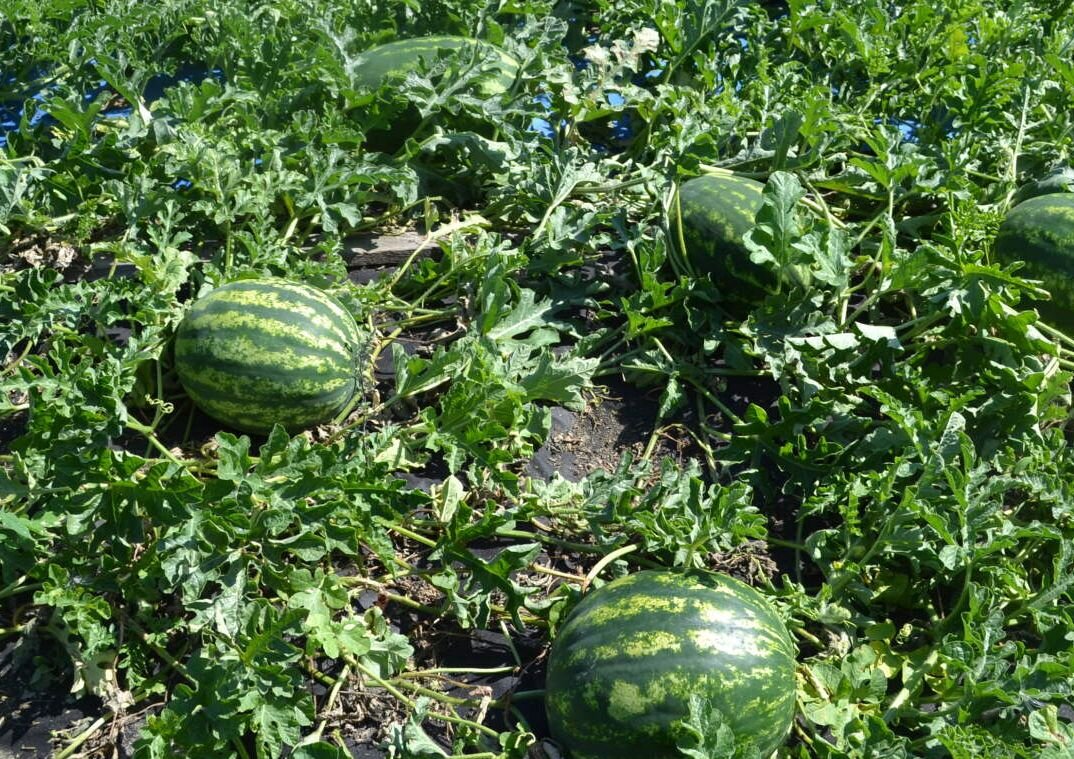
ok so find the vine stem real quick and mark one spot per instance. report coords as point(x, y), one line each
point(88, 733)
point(1011, 175)
point(18, 586)
point(785, 543)
point(605, 561)
point(915, 678)
point(433, 671)
point(333, 694)
point(17, 360)
point(510, 643)
point(444, 230)
point(398, 528)
point(402, 680)
point(382, 589)
point(588, 189)
point(804, 633)
point(403, 698)
point(150, 434)
point(551, 571)
point(81, 738)
point(1062, 337)
point(571, 546)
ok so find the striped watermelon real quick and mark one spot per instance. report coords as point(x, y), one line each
point(382, 66)
point(258, 352)
point(628, 658)
point(394, 60)
point(713, 214)
point(1040, 233)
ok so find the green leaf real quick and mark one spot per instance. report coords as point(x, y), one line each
point(409, 740)
point(705, 734)
point(771, 242)
point(525, 316)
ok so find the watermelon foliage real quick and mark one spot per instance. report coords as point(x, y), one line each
point(256, 353)
point(626, 663)
point(1039, 233)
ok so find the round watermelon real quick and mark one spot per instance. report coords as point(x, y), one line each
point(386, 65)
point(625, 663)
point(1040, 233)
point(713, 214)
point(392, 61)
point(260, 352)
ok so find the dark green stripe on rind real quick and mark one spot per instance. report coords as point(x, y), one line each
point(304, 309)
point(1040, 233)
point(624, 665)
point(255, 353)
point(268, 331)
point(717, 212)
point(254, 415)
point(275, 352)
point(279, 387)
point(396, 59)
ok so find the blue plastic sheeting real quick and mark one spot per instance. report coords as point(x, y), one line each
point(12, 110)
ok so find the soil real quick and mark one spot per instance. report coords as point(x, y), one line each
point(619, 421)
point(30, 715)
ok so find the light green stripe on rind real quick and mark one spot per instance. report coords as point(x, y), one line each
point(257, 406)
point(304, 294)
point(716, 214)
point(300, 311)
point(255, 353)
point(279, 387)
point(624, 665)
point(261, 418)
point(259, 352)
point(255, 348)
point(278, 390)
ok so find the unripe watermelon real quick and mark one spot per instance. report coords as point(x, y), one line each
point(716, 213)
point(258, 352)
point(392, 61)
point(625, 663)
point(1040, 233)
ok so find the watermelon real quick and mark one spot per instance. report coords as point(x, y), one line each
point(385, 65)
point(1040, 233)
point(260, 352)
point(713, 214)
point(394, 60)
point(626, 661)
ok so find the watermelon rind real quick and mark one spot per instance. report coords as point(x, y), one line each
point(1039, 232)
point(713, 213)
point(624, 665)
point(260, 352)
point(394, 60)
